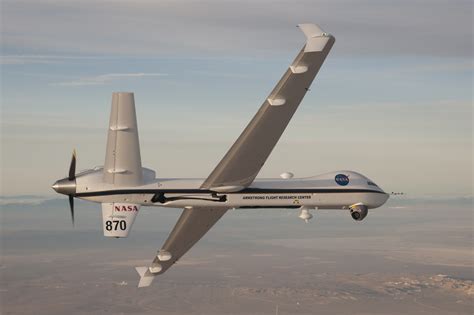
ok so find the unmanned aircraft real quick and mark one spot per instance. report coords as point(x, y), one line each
point(122, 185)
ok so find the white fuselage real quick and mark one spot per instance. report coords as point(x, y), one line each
point(322, 192)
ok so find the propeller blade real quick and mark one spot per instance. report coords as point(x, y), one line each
point(72, 167)
point(71, 206)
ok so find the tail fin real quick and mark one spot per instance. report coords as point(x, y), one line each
point(123, 166)
point(118, 218)
point(146, 277)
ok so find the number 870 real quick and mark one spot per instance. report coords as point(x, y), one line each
point(115, 225)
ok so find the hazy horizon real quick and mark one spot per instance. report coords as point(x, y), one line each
point(411, 257)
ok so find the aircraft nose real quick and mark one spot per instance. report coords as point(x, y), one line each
point(384, 198)
point(65, 186)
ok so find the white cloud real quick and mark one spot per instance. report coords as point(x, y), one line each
point(23, 60)
point(235, 27)
point(442, 67)
point(44, 59)
point(107, 78)
point(23, 200)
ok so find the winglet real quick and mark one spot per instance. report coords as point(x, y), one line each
point(311, 30)
point(146, 278)
point(316, 38)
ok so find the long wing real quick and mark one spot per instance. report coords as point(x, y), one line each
point(190, 228)
point(245, 158)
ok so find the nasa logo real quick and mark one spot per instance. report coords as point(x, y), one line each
point(126, 208)
point(341, 179)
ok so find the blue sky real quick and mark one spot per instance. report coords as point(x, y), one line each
point(393, 100)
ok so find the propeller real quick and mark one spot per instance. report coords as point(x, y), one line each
point(72, 177)
point(72, 167)
point(67, 186)
point(71, 206)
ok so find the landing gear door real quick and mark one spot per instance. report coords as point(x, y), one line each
point(118, 218)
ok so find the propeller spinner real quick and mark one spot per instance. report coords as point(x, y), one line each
point(67, 186)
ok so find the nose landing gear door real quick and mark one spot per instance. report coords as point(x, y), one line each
point(118, 218)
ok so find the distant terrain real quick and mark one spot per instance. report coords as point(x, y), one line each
point(409, 257)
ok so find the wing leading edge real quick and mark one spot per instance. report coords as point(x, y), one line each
point(245, 158)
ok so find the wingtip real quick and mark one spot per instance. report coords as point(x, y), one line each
point(145, 282)
point(316, 38)
point(311, 30)
point(141, 270)
point(146, 278)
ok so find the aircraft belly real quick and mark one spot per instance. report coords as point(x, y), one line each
point(344, 200)
point(323, 200)
point(271, 200)
point(340, 200)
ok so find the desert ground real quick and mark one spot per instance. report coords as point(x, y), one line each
point(412, 256)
